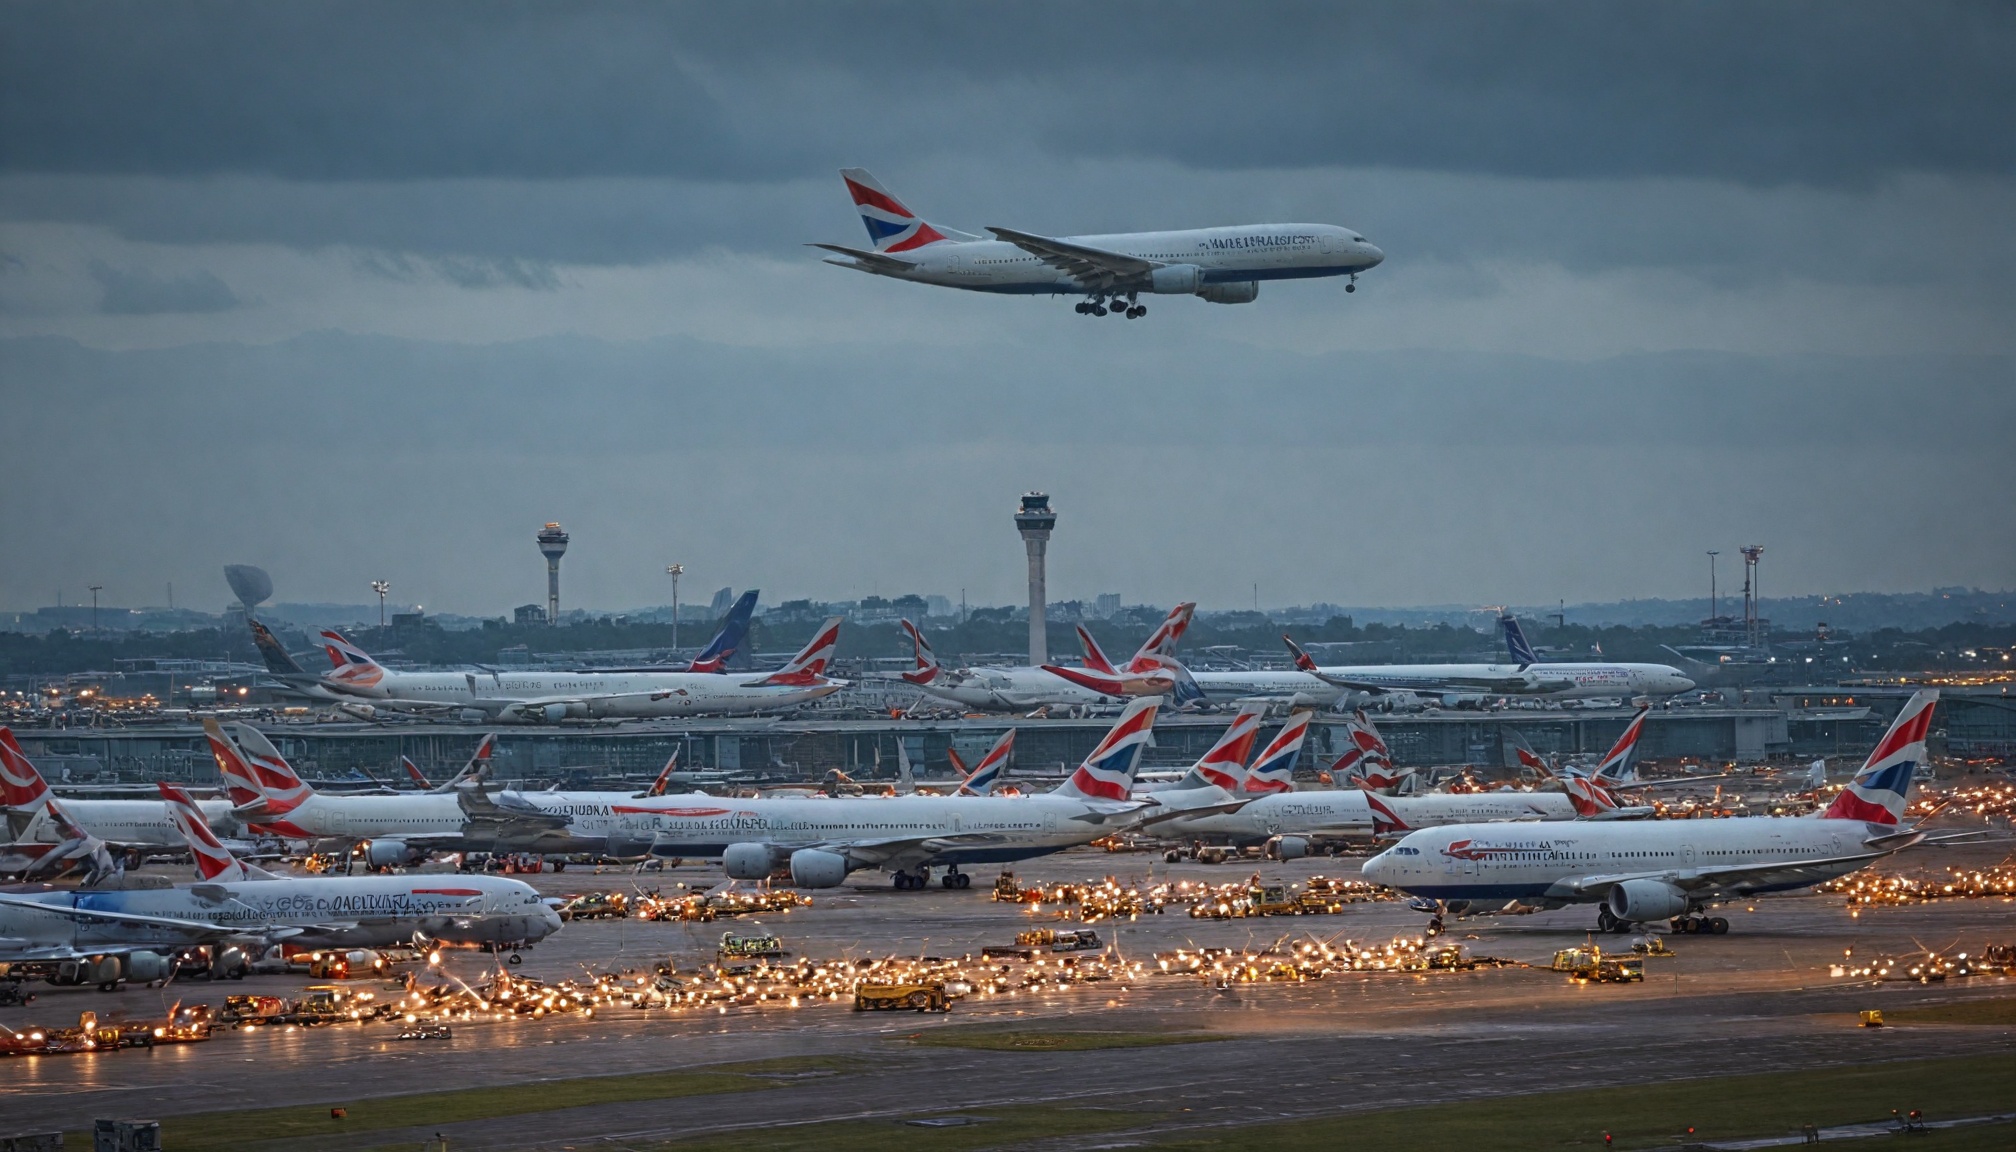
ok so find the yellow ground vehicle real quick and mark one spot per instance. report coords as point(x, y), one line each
point(596, 906)
point(1589, 964)
point(741, 948)
point(1065, 940)
point(889, 997)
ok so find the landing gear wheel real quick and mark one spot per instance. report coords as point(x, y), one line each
point(949, 880)
point(1718, 926)
point(965, 882)
point(515, 959)
point(1606, 921)
point(1137, 311)
point(1172, 856)
point(1098, 310)
point(1434, 927)
point(1684, 925)
point(1350, 287)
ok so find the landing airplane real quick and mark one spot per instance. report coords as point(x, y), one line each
point(1673, 870)
point(1220, 265)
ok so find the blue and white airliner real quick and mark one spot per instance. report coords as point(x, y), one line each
point(1221, 265)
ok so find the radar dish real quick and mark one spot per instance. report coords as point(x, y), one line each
point(252, 585)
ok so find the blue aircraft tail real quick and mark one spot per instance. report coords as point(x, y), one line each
point(1515, 640)
point(734, 631)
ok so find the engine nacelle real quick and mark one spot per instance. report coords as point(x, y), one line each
point(1288, 848)
point(229, 962)
point(1642, 900)
point(387, 853)
point(361, 711)
point(748, 862)
point(553, 713)
point(817, 868)
point(1239, 292)
point(145, 967)
point(1180, 279)
point(92, 970)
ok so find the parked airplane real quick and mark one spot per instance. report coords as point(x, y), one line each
point(121, 824)
point(819, 841)
point(1668, 869)
point(1527, 680)
point(1021, 689)
point(1221, 265)
point(532, 697)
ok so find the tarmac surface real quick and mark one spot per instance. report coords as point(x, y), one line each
point(1758, 999)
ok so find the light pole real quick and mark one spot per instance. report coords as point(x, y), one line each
point(94, 606)
point(381, 587)
point(1712, 553)
point(675, 571)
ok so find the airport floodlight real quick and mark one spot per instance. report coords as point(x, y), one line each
point(675, 571)
point(381, 587)
point(1034, 521)
point(552, 545)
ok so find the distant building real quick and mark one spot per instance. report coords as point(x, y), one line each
point(937, 606)
point(528, 614)
point(1106, 605)
point(723, 600)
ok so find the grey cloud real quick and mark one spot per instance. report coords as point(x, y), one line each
point(133, 292)
point(1799, 90)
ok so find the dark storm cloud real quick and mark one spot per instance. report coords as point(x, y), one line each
point(1821, 92)
point(131, 292)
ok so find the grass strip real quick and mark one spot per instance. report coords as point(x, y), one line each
point(995, 1128)
point(277, 1127)
point(1657, 1115)
point(1028, 1040)
point(1996, 1013)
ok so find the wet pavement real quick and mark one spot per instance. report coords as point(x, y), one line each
point(1758, 998)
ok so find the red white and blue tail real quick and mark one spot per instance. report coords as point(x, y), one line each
point(1386, 823)
point(927, 668)
point(1302, 660)
point(1161, 643)
point(1108, 773)
point(988, 773)
point(891, 226)
point(350, 666)
point(808, 667)
point(1274, 769)
point(21, 786)
point(1095, 656)
point(1225, 764)
point(1882, 788)
point(1616, 765)
point(213, 860)
point(283, 788)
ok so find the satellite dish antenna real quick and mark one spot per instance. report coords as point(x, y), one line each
point(252, 585)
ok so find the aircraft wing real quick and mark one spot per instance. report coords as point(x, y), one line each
point(1092, 267)
point(1219, 809)
point(98, 914)
point(867, 261)
point(1734, 878)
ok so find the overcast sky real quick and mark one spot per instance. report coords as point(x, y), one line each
point(372, 290)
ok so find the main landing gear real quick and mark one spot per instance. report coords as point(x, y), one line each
point(911, 881)
point(1701, 925)
point(1098, 306)
point(954, 878)
point(1607, 921)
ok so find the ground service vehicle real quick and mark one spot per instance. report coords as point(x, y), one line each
point(888, 997)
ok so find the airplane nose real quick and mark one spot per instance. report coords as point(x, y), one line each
point(1374, 868)
point(550, 919)
point(1373, 256)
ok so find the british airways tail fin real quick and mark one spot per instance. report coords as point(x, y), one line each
point(1224, 764)
point(1616, 766)
point(21, 786)
point(987, 773)
point(1274, 769)
point(1515, 642)
point(809, 665)
point(926, 663)
point(213, 860)
point(1095, 656)
point(1162, 641)
point(349, 665)
point(1302, 659)
point(891, 226)
point(727, 641)
point(1880, 791)
point(1108, 772)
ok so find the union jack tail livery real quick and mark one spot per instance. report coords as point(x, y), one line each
point(1385, 822)
point(809, 665)
point(21, 786)
point(1881, 789)
point(891, 226)
point(1225, 764)
point(1589, 795)
point(213, 860)
point(726, 642)
point(283, 789)
point(928, 668)
point(1095, 656)
point(1161, 643)
point(1108, 773)
point(1616, 765)
point(1515, 643)
point(349, 665)
point(987, 773)
point(1302, 659)
point(241, 786)
point(1274, 769)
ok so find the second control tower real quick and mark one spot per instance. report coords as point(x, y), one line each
point(552, 545)
point(1034, 521)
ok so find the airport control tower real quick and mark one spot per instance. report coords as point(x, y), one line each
point(552, 545)
point(1034, 521)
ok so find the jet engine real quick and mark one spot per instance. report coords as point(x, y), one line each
point(361, 711)
point(145, 967)
point(1287, 848)
point(817, 868)
point(99, 970)
point(1240, 292)
point(1642, 900)
point(554, 713)
point(386, 853)
point(1180, 279)
point(748, 862)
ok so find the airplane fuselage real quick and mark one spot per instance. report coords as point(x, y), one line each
point(1011, 690)
point(995, 829)
point(555, 696)
point(1344, 813)
point(126, 823)
point(1239, 254)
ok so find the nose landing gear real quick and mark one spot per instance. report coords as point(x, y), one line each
point(1351, 285)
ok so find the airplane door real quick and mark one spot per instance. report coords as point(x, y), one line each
point(1687, 855)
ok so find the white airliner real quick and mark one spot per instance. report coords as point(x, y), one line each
point(119, 823)
point(819, 841)
point(1526, 677)
point(549, 697)
point(1020, 689)
point(1640, 871)
point(1221, 265)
